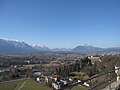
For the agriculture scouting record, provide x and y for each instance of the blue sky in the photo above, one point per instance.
(61, 23)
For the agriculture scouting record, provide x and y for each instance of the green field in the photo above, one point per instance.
(23, 85)
(30, 85)
(79, 88)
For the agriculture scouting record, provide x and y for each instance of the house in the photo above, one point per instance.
(86, 84)
(57, 85)
(79, 81)
(64, 82)
(47, 79)
(97, 63)
(117, 70)
(94, 59)
(71, 79)
(38, 80)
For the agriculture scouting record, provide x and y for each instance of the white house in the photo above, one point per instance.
(117, 70)
(56, 85)
(38, 80)
(86, 84)
(70, 79)
(64, 82)
(94, 59)
(47, 78)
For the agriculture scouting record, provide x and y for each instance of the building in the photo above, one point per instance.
(117, 70)
(94, 59)
(57, 85)
(36, 73)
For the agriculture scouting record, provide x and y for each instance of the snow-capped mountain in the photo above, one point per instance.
(44, 48)
(18, 47)
(87, 48)
(87, 45)
(14, 46)
(61, 49)
(40, 47)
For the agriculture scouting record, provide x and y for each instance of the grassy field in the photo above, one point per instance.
(11, 85)
(30, 85)
(79, 88)
(23, 85)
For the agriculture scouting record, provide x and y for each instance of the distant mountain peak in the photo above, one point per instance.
(41, 47)
(62, 49)
(14, 46)
(12, 40)
(36, 45)
(87, 45)
(8, 46)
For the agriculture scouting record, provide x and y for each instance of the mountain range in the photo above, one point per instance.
(18, 47)
(14, 47)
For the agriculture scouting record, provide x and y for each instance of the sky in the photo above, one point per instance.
(61, 23)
